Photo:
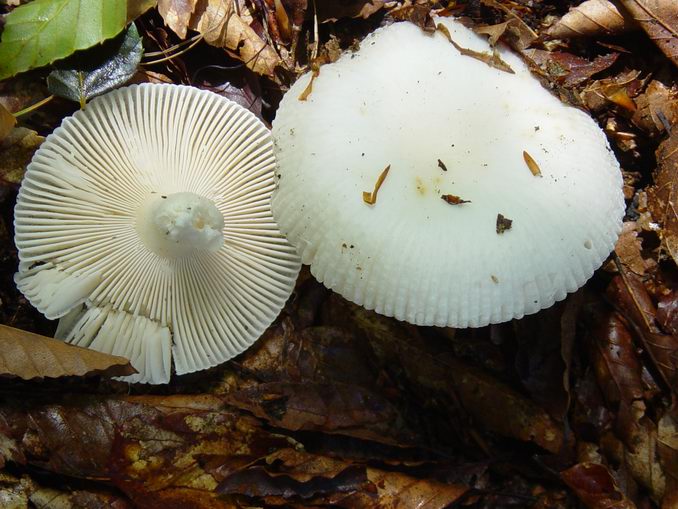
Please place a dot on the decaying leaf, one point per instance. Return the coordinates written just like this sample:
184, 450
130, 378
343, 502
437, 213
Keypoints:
513, 31
595, 487
26, 355
17, 150
616, 90
296, 475
7, 122
493, 59
657, 108
659, 19
663, 196
492, 404
592, 18
567, 69
177, 14
226, 24
629, 249
630, 296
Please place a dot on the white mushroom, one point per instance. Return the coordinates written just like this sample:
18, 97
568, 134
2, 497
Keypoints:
144, 223
498, 201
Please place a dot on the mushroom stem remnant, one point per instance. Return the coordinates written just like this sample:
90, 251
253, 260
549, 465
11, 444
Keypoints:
371, 198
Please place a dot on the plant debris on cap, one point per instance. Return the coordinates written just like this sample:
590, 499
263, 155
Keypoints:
416, 257
144, 223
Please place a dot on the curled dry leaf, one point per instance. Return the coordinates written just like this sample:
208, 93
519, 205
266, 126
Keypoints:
628, 249
226, 24
659, 20
595, 487
618, 90
593, 18
26, 355
332, 10
657, 108
663, 196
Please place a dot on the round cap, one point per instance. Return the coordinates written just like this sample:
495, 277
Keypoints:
423, 183
144, 223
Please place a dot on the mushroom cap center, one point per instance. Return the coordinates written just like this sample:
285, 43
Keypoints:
180, 224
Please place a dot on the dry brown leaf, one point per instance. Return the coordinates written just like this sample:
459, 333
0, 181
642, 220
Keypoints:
177, 14
657, 108
17, 150
659, 19
225, 24
567, 69
593, 18
26, 355
492, 59
7, 122
617, 90
663, 196
595, 487
667, 441
628, 249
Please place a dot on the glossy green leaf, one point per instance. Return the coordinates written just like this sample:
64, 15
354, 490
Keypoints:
42, 31
99, 70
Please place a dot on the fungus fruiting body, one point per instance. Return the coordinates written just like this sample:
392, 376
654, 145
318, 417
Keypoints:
144, 223
531, 192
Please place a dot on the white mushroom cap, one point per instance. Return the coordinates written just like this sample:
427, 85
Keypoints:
409, 100
144, 221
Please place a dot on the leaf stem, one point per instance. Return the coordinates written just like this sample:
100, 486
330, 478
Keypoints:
32, 107
170, 57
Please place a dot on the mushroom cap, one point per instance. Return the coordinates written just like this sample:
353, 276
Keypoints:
450, 126
100, 194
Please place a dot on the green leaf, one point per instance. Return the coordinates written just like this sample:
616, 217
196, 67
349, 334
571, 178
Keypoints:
42, 31
99, 70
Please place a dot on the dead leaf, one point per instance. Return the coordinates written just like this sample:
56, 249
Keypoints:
512, 31
657, 108
567, 69
225, 24
7, 122
616, 90
330, 408
420, 15
492, 404
663, 196
317, 480
593, 18
629, 247
667, 313
667, 440
177, 14
26, 355
595, 487
659, 19
493, 59
17, 150
630, 296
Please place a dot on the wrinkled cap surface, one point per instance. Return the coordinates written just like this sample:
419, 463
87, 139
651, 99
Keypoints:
504, 242
144, 223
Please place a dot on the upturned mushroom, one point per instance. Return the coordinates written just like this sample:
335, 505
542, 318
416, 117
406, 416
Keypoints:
144, 223
430, 179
